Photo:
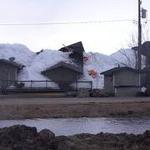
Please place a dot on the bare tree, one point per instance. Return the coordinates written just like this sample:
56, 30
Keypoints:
131, 61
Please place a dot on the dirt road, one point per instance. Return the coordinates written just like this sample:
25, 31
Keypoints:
44, 99
44, 107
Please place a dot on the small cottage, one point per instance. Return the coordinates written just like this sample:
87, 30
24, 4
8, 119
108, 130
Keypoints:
8, 71
63, 74
121, 81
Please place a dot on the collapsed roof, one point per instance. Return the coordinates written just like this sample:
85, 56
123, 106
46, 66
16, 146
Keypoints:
76, 47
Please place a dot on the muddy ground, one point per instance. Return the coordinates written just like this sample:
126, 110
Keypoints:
12, 107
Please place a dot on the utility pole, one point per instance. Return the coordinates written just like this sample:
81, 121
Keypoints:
139, 40
139, 35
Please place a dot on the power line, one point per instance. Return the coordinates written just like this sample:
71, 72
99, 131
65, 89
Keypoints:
64, 23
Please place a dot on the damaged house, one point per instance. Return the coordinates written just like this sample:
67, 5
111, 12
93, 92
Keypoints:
66, 73
62, 76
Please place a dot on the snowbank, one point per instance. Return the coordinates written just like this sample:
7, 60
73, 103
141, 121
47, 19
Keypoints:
47, 59
36, 62
21, 53
99, 63
41, 62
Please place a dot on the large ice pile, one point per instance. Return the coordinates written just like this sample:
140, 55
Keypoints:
36, 62
97, 63
21, 53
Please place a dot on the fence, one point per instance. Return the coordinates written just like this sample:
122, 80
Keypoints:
43, 85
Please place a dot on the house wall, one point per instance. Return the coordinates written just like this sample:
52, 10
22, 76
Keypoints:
146, 81
63, 77
126, 91
108, 84
122, 83
129, 81
7, 72
126, 78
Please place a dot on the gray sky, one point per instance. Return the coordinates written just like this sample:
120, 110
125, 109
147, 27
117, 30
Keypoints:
100, 37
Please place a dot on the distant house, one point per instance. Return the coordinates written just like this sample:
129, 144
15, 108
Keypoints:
8, 71
121, 81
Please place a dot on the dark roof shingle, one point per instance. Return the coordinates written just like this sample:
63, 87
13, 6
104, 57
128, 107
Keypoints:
117, 69
65, 65
19, 66
77, 47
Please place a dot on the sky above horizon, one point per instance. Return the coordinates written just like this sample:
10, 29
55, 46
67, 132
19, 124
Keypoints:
104, 37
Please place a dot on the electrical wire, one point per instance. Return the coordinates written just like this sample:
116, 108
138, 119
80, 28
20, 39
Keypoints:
65, 23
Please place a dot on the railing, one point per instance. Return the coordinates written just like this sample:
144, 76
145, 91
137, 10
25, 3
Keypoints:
43, 85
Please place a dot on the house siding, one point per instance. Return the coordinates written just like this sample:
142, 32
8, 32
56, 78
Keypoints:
62, 74
7, 72
126, 91
123, 82
63, 77
128, 82
108, 84
127, 78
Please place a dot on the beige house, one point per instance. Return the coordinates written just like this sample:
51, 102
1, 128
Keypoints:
121, 81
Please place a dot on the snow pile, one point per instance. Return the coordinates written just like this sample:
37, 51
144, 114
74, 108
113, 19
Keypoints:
41, 62
20, 52
35, 63
47, 59
99, 63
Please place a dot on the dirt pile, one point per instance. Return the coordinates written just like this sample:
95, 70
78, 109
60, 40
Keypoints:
21, 137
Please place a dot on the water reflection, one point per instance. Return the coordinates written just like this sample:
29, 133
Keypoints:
85, 125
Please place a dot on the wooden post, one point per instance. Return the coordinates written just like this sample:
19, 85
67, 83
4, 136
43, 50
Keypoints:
46, 84
31, 84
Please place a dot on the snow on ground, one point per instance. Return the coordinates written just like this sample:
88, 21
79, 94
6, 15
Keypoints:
35, 63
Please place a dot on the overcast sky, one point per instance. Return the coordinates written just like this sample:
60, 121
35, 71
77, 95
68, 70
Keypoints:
99, 37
